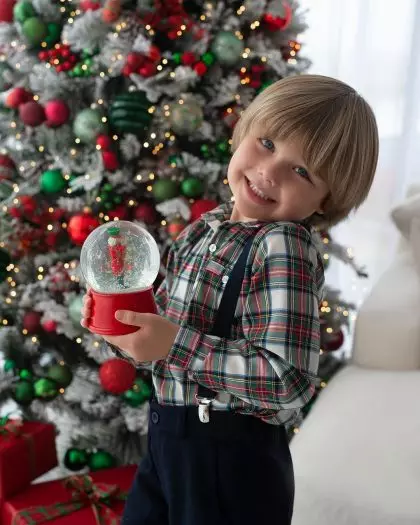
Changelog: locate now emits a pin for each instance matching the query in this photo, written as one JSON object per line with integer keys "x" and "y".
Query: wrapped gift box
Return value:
{"x": 27, "y": 450}
{"x": 94, "y": 499}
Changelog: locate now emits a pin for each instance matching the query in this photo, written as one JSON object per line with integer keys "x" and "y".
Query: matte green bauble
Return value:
{"x": 5, "y": 72}
{"x": 52, "y": 181}
{"x": 186, "y": 118}
{"x": 208, "y": 58}
{"x": 35, "y": 30}
{"x": 192, "y": 187}
{"x": 138, "y": 393}
{"x": 88, "y": 125}
{"x": 164, "y": 189}
{"x": 22, "y": 11}
{"x": 227, "y": 47}
{"x": 75, "y": 459}
{"x": 6, "y": 189}
{"x": 129, "y": 113}
{"x": 25, "y": 374}
{"x": 61, "y": 374}
{"x": 75, "y": 310}
{"x": 23, "y": 393}
{"x": 5, "y": 260}
{"x": 101, "y": 459}
{"x": 45, "y": 389}
{"x": 53, "y": 34}
{"x": 9, "y": 365}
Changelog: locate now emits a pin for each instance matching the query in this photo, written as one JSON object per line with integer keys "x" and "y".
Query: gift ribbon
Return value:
{"x": 84, "y": 493}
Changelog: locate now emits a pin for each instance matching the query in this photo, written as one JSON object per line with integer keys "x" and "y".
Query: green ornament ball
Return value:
{"x": 192, "y": 187}
{"x": 264, "y": 85}
{"x": 208, "y": 58}
{"x": 227, "y": 48}
{"x": 52, "y": 181}
{"x": 101, "y": 459}
{"x": 22, "y": 11}
{"x": 75, "y": 310}
{"x": 6, "y": 189}
{"x": 23, "y": 393}
{"x": 25, "y": 374}
{"x": 139, "y": 393}
{"x": 53, "y": 33}
{"x": 45, "y": 389}
{"x": 5, "y": 76}
{"x": 223, "y": 148}
{"x": 186, "y": 118}
{"x": 61, "y": 374}
{"x": 205, "y": 151}
{"x": 176, "y": 57}
{"x": 75, "y": 459}
{"x": 9, "y": 365}
{"x": 88, "y": 125}
{"x": 35, "y": 30}
{"x": 164, "y": 189}
{"x": 5, "y": 260}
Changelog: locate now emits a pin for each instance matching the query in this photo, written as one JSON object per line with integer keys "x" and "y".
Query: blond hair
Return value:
{"x": 336, "y": 129}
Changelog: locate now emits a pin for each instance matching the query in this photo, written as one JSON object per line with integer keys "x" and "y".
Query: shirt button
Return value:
{"x": 225, "y": 279}
{"x": 212, "y": 248}
{"x": 155, "y": 418}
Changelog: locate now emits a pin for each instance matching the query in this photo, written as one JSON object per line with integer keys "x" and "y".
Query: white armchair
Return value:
{"x": 357, "y": 457}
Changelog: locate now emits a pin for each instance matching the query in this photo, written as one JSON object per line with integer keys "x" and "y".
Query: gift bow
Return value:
{"x": 10, "y": 427}
{"x": 84, "y": 493}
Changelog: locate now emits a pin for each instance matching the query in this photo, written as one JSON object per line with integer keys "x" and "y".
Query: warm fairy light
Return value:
{"x": 149, "y": 188}
{"x": 34, "y": 339}
{"x": 77, "y": 140}
{"x": 329, "y": 330}
{"x": 114, "y": 137}
{"x": 151, "y": 176}
{"x": 296, "y": 430}
{"x": 163, "y": 222}
{"x": 323, "y": 384}
{"x": 78, "y": 340}
{"x": 146, "y": 144}
{"x": 345, "y": 313}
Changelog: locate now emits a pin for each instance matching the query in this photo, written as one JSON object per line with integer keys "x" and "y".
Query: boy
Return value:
{"x": 235, "y": 348}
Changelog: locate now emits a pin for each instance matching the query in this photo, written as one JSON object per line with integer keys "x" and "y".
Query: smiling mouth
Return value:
{"x": 257, "y": 192}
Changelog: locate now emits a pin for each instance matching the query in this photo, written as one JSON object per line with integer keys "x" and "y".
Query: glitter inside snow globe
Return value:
{"x": 120, "y": 261}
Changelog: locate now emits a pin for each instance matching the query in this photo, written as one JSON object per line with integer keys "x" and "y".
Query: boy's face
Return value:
{"x": 271, "y": 183}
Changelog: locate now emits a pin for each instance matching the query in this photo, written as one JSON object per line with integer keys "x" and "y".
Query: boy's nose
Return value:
{"x": 266, "y": 177}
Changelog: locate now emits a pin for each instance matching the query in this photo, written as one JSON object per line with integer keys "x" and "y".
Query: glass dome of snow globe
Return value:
{"x": 120, "y": 262}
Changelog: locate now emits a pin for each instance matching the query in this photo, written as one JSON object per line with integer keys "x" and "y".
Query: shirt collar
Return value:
{"x": 214, "y": 218}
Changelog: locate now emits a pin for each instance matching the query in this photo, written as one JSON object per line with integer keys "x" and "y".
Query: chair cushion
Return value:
{"x": 357, "y": 457}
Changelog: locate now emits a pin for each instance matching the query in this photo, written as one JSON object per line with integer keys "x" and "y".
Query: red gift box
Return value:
{"x": 94, "y": 499}
{"x": 27, "y": 450}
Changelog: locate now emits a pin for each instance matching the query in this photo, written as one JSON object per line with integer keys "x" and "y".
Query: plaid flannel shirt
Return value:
{"x": 269, "y": 365}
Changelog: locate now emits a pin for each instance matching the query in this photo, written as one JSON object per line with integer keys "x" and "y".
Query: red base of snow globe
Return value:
{"x": 104, "y": 306}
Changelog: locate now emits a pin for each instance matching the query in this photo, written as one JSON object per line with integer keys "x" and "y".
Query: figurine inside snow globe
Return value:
{"x": 120, "y": 262}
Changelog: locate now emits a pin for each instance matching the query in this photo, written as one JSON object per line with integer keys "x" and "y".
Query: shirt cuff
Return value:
{"x": 188, "y": 350}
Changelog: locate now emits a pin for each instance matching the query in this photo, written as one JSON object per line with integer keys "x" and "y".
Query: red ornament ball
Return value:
{"x": 104, "y": 142}
{"x": 148, "y": 69}
{"x": 146, "y": 212}
{"x": 7, "y": 167}
{"x": 32, "y": 114}
{"x": 117, "y": 376}
{"x": 120, "y": 212}
{"x": 88, "y": 5}
{"x": 6, "y": 10}
{"x": 32, "y": 322}
{"x": 201, "y": 206}
{"x": 17, "y": 96}
{"x": 110, "y": 160}
{"x": 57, "y": 113}
{"x": 80, "y": 226}
{"x": 154, "y": 53}
{"x": 134, "y": 60}
{"x": 188, "y": 58}
{"x": 333, "y": 341}
{"x": 49, "y": 326}
{"x": 175, "y": 227}
{"x": 200, "y": 68}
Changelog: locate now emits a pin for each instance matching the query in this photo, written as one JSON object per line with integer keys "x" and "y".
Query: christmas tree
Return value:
{"x": 113, "y": 110}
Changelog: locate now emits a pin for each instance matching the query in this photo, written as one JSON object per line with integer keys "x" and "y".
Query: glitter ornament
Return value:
{"x": 187, "y": 117}
{"x": 117, "y": 376}
{"x": 227, "y": 48}
{"x": 120, "y": 262}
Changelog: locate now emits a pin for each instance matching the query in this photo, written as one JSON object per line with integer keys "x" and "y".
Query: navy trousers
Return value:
{"x": 233, "y": 470}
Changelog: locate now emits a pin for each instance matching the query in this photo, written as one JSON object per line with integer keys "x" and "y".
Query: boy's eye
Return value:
{"x": 267, "y": 143}
{"x": 302, "y": 172}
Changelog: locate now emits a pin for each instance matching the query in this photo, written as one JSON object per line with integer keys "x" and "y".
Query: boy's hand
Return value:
{"x": 151, "y": 342}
